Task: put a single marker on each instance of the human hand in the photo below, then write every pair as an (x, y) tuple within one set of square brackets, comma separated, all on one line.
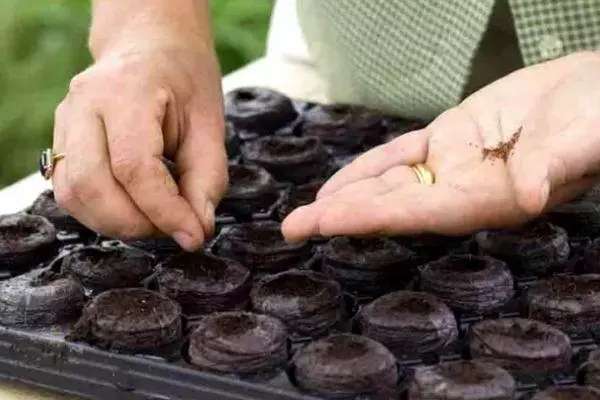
[(554, 106), (135, 104)]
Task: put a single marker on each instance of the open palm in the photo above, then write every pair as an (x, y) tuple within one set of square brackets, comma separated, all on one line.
[(554, 106)]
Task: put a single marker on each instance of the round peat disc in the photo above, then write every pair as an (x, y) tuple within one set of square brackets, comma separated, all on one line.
[(203, 283), (592, 194), (408, 322), (591, 258), (45, 205), (522, 346), (570, 303), (568, 393), (343, 126), (288, 158), (345, 365), (29, 300), (129, 319), (308, 302), (251, 189), (239, 342), (367, 266), (590, 375), (532, 250), (468, 282), (25, 241), (101, 268), (462, 380), (430, 247), (232, 141), (261, 247), (577, 217), (259, 110)]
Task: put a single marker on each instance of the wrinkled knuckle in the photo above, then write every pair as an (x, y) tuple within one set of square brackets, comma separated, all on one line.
[(79, 82), (83, 189), (126, 228), (135, 228), (65, 197), (125, 169), (125, 66)]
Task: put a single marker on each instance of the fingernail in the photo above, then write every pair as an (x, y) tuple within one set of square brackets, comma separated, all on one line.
[(209, 216), (545, 193), (185, 240)]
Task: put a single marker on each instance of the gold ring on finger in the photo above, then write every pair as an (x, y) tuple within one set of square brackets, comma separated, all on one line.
[(424, 174)]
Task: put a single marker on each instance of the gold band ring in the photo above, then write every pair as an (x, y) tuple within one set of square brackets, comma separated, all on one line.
[(48, 160), (424, 174)]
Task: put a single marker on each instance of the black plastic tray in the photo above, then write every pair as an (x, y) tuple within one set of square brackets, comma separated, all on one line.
[(48, 361)]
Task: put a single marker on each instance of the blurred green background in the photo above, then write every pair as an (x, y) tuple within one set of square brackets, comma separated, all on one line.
[(43, 44)]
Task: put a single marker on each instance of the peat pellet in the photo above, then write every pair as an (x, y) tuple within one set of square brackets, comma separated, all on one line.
[(521, 346), (258, 110), (345, 365), (468, 282), (577, 217), (288, 158), (531, 250), (261, 247), (568, 393), (570, 303), (239, 342), (590, 375), (343, 126), (462, 380), (367, 266), (129, 319), (308, 302), (591, 258), (408, 322), (45, 205), (203, 283), (251, 190), (34, 299), (101, 268), (25, 241)]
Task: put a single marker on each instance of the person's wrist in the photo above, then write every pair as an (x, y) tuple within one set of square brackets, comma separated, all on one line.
[(143, 40), (126, 26)]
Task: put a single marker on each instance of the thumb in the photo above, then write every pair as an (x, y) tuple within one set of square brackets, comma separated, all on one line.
[(539, 168), (202, 166)]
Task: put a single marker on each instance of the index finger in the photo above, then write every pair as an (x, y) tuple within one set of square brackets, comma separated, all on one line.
[(408, 149), (136, 146)]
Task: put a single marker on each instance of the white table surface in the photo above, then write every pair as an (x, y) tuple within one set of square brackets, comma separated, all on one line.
[(294, 78)]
